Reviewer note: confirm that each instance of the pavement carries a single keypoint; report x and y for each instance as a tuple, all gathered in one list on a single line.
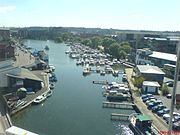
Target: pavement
[(157, 121)]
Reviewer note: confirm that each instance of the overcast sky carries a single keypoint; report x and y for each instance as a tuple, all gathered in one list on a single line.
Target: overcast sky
[(120, 14)]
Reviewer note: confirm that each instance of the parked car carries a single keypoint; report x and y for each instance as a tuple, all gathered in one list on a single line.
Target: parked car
[(158, 107), (168, 95), (146, 96), (176, 126), (163, 111), (169, 83), (150, 101)]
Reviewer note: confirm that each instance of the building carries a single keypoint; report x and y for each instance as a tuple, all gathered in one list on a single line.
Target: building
[(160, 58), (6, 49), (4, 34), (150, 87), (150, 73), (142, 56), (15, 77), (145, 56)]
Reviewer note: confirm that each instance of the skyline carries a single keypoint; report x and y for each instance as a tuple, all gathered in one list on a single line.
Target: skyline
[(116, 14)]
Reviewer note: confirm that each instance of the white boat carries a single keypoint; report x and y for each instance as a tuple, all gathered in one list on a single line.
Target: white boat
[(39, 99), (51, 86), (49, 93), (87, 70), (102, 72)]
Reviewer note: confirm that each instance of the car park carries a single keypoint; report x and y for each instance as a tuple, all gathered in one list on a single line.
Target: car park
[(150, 101), (176, 126), (163, 111), (158, 107)]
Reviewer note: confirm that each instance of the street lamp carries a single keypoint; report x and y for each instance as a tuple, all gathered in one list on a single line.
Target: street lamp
[(174, 96)]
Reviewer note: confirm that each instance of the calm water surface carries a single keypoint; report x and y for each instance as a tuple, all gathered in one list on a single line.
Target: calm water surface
[(75, 108)]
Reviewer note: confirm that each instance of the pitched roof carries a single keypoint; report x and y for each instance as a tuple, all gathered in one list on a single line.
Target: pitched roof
[(148, 69)]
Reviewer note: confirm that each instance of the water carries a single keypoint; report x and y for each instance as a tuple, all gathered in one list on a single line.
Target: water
[(75, 107)]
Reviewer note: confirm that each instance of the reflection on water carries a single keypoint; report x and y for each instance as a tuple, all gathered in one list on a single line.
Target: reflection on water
[(75, 108), (122, 129)]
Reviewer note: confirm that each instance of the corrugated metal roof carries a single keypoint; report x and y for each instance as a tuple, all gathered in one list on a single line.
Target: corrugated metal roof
[(148, 69), (24, 74), (164, 56)]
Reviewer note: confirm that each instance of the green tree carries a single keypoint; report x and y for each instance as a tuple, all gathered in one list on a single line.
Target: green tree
[(122, 53), (165, 89), (114, 49), (138, 81), (87, 42), (96, 41), (126, 47), (107, 41)]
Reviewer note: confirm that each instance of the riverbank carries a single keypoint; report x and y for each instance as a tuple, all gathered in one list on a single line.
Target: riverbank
[(157, 122)]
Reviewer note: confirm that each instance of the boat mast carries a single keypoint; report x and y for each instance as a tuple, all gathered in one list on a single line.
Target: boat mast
[(176, 76)]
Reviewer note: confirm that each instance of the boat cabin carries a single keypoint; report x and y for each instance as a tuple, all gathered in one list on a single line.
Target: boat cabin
[(143, 123)]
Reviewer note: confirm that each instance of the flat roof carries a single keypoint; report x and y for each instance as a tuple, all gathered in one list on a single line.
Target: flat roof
[(148, 69), (151, 83), (164, 56)]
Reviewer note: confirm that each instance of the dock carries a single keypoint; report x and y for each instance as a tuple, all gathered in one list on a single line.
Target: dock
[(119, 117), (118, 105), (100, 82), (158, 122)]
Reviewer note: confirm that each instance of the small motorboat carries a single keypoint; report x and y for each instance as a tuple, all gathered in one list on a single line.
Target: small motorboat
[(39, 99), (49, 93)]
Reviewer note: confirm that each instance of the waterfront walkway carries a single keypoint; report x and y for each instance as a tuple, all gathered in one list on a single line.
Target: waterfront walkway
[(157, 121)]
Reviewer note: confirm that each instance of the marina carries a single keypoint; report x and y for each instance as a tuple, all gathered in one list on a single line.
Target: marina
[(118, 105), (69, 95)]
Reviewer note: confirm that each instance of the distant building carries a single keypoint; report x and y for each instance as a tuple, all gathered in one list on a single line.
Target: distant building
[(142, 56), (146, 56), (150, 73), (6, 49), (4, 34)]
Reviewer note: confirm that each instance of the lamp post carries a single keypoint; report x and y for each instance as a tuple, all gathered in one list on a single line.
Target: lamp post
[(176, 76)]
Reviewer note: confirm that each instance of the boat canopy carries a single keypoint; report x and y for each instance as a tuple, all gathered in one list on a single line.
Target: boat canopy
[(144, 118)]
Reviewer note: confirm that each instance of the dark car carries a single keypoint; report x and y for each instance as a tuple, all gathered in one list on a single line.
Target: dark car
[(163, 111), (157, 108), (169, 83)]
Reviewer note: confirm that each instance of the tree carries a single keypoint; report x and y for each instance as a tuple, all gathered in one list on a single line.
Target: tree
[(87, 42), (126, 47), (106, 42), (114, 49), (165, 89), (96, 41), (138, 81), (122, 54)]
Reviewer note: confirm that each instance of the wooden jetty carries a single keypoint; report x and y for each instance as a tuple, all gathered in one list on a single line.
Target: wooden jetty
[(100, 82), (119, 117), (118, 105)]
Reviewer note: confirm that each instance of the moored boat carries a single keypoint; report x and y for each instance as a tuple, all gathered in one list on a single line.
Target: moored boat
[(142, 125), (49, 93), (39, 99)]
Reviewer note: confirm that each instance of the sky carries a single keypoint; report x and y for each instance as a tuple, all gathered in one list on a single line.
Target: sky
[(158, 15)]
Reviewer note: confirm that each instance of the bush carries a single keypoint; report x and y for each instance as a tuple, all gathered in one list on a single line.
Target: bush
[(165, 90), (138, 81)]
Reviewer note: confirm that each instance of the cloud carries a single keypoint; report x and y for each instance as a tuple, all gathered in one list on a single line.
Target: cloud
[(5, 9)]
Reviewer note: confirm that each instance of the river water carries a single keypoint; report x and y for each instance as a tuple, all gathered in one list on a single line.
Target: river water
[(75, 108)]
